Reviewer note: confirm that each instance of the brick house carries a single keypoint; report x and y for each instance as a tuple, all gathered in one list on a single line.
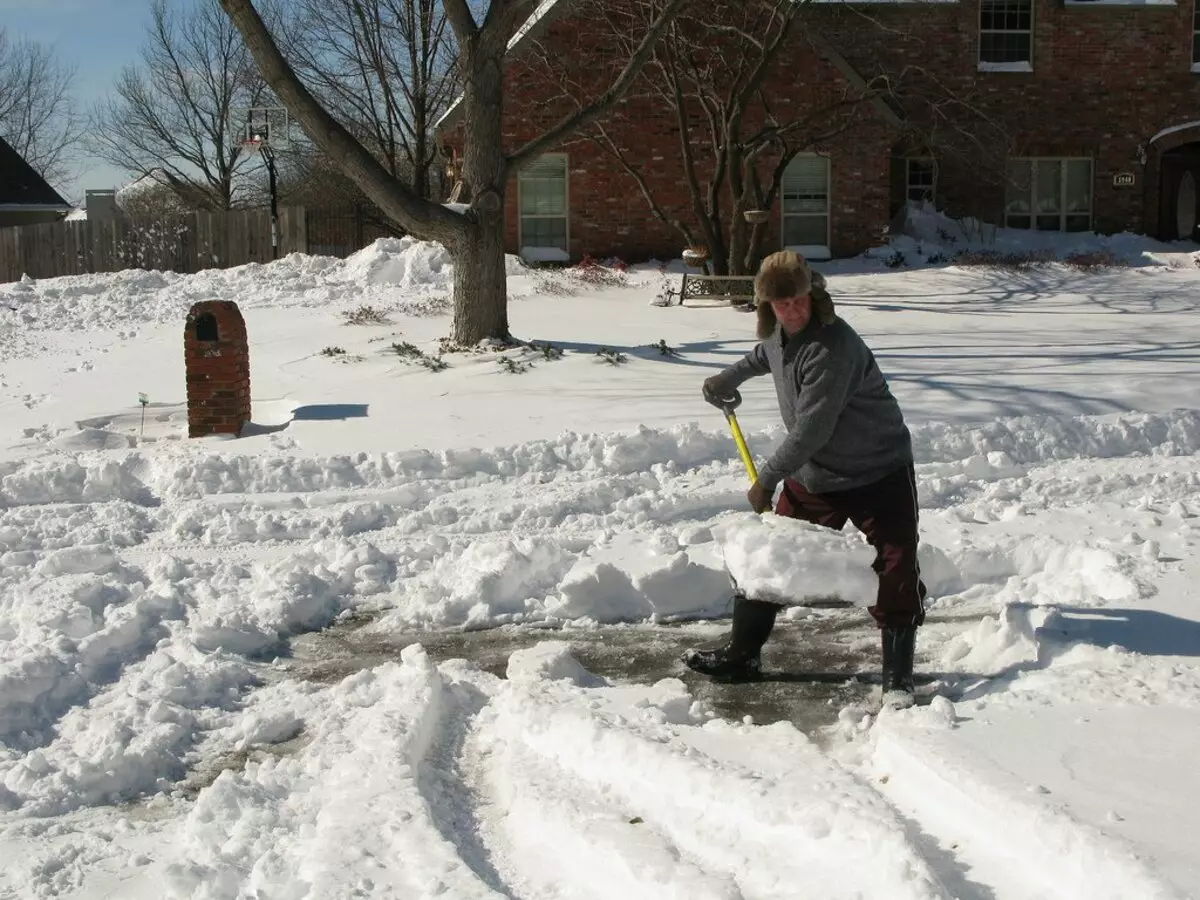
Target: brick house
[(1098, 102)]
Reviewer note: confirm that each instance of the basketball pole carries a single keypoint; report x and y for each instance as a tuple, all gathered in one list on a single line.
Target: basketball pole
[(270, 158)]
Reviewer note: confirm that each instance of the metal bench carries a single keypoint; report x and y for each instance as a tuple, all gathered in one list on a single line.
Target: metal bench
[(718, 290)]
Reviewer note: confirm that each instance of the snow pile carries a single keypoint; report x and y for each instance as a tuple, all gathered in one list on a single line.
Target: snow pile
[(136, 297), (928, 236), (777, 819), (1059, 855), (300, 825), (949, 458), (1029, 440), (787, 561), (405, 263)]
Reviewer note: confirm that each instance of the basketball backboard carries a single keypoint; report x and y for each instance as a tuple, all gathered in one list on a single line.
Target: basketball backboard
[(256, 127)]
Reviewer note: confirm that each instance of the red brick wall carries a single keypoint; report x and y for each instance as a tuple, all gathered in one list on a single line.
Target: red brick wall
[(1105, 80), (217, 369)]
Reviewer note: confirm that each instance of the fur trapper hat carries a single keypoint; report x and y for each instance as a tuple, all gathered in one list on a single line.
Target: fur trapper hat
[(787, 274)]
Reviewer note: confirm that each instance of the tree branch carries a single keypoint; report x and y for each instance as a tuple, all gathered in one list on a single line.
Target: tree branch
[(589, 113), (423, 218)]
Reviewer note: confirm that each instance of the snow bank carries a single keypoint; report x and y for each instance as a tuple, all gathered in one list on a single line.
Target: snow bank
[(1059, 855), (302, 825), (636, 775), (126, 299), (955, 455), (108, 674), (928, 235)]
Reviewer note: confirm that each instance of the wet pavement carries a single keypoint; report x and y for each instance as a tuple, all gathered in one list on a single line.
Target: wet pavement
[(812, 666)]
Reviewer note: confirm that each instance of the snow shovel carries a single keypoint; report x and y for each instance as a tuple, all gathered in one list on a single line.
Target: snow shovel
[(728, 405)]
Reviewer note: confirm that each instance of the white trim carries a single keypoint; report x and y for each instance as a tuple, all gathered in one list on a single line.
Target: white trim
[(810, 251), (541, 252), (814, 251), (1024, 65), (35, 207), (1063, 214), (1195, 35), (1177, 128), (540, 12), (1120, 3), (908, 184), (1005, 67), (449, 111)]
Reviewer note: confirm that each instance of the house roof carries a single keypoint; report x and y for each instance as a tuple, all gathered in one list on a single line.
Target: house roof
[(21, 187), (537, 23)]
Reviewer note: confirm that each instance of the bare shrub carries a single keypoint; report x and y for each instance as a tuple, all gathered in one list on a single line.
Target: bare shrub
[(1089, 260), (365, 315), (1013, 261)]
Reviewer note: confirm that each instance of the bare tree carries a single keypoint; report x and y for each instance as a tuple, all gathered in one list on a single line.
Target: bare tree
[(172, 113), (37, 109), (717, 75), (385, 70), (713, 74), (475, 238)]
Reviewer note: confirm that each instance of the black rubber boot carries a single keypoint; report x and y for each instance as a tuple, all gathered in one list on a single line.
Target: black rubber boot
[(898, 647), (740, 659)]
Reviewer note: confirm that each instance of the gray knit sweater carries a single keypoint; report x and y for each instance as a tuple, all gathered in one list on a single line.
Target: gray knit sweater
[(845, 428)]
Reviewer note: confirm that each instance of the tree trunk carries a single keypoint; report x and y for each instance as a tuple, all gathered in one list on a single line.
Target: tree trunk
[(481, 284)]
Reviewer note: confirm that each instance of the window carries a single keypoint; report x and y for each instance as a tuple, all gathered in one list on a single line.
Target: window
[(1006, 35), (806, 205), (542, 186), (921, 181), (1196, 39), (1049, 194)]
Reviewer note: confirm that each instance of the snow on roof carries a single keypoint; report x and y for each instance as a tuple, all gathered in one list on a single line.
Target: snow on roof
[(539, 16)]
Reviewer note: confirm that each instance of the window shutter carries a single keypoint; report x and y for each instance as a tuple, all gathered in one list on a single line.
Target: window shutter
[(544, 186), (806, 176), (548, 166)]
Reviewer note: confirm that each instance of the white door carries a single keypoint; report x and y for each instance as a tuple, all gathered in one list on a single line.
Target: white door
[(1185, 207)]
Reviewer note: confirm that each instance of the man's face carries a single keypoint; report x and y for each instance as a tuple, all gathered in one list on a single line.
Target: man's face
[(793, 313)]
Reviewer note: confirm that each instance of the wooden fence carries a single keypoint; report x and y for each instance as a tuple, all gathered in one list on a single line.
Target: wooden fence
[(186, 243), (342, 231)]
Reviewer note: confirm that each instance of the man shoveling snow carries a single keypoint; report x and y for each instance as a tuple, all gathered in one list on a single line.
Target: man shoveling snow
[(847, 457)]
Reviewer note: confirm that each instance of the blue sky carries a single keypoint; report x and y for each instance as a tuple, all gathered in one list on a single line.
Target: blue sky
[(99, 37)]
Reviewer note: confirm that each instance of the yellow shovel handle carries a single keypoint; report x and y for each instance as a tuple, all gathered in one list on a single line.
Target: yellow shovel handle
[(741, 445)]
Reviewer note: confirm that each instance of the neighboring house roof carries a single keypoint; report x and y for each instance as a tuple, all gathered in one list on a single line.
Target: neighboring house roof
[(22, 188), (155, 178)]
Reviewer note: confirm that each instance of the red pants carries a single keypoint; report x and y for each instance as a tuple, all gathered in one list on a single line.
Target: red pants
[(886, 512)]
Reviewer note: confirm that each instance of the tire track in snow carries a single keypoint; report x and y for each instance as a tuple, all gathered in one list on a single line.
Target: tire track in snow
[(989, 835), (448, 780)]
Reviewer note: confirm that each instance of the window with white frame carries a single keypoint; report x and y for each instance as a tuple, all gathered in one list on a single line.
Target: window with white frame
[(1049, 194), (1196, 38), (921, 179), (1006, 35), (806, 205), (542, 186)]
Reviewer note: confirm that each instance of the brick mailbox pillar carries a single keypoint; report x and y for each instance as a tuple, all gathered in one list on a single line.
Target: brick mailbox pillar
[(216, 356)]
